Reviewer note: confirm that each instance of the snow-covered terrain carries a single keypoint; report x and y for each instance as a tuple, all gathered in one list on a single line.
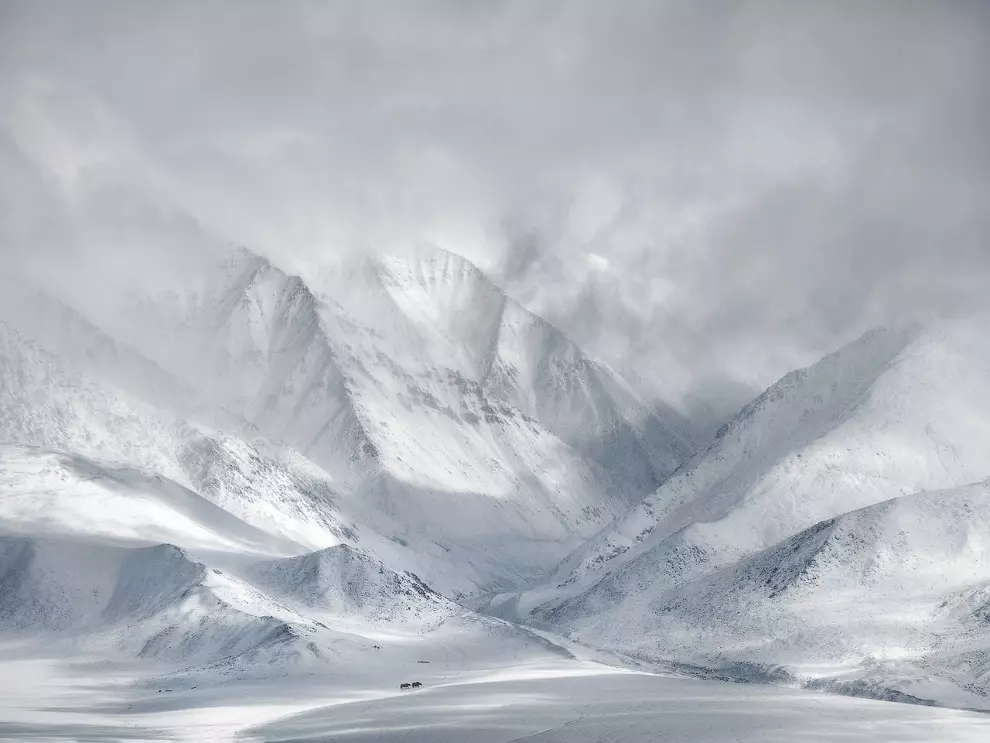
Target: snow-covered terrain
[(229, 494), (610, 706), (448, 417), (234, 494), (345, 365), (896, 412), (560, 701), (753, 560)]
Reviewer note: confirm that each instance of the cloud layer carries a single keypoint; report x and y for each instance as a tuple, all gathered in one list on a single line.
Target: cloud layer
[(704, 194)]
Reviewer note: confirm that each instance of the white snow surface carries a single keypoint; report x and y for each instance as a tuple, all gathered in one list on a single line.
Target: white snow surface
[(530, 499), (560, 702), (240, 504), (752, 559), (445, 415), (896, 412), (348, 366)]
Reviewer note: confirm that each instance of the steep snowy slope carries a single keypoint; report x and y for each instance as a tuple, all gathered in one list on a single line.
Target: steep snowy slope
[(443, 412), (898, 411), (463, 393), (124, 452), (426, 329), (518, 358), (895, 412), (47, 493), (430, 471), (43, 403), (892, 596)]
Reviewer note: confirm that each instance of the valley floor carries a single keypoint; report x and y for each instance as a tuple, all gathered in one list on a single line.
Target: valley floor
[(563, 700)]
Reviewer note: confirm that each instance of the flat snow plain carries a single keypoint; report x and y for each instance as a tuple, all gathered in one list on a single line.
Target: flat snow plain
[(53, 699)]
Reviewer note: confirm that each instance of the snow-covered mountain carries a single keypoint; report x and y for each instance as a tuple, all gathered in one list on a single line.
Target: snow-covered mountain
[(896, 412), (342, 367), (220, 474), (312, 467), (889, 600), (90, 460), (341, 584), (476, 441)]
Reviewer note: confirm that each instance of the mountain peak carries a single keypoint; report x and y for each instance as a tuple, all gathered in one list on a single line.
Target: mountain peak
[(416, 372)]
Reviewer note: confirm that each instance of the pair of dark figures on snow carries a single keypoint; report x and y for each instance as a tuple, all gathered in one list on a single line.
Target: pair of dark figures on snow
[(413, 685)]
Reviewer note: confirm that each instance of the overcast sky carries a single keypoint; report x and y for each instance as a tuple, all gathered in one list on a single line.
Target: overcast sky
[(704, 194)]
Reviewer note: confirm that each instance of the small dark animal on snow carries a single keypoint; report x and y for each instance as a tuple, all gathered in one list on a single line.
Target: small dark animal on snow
[(416, 684), (404, 686)]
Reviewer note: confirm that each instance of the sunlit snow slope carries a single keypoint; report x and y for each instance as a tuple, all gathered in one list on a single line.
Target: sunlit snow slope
[(312, 467), (405, 398), (896, 412), (890, 600), (451, 420)]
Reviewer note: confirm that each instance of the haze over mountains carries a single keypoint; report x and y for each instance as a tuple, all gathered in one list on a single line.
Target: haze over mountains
[(386, 389), (225, 472), (500, 371), (233, 479)]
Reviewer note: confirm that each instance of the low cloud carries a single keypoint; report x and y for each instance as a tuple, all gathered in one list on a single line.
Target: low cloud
[(704, 194)]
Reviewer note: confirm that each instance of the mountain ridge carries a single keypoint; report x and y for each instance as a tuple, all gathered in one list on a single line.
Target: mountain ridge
[(400, 438), (742, 528)]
